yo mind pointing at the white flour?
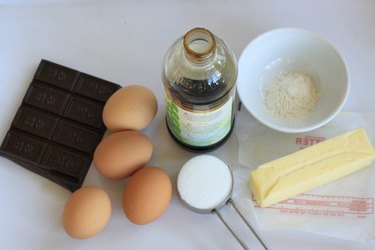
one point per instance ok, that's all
(291, 96)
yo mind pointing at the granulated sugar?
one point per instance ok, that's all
(205, 182)
(291, 96)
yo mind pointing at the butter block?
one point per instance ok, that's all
(311, 167)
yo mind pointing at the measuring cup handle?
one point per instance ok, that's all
(230, 228)
(256, 234)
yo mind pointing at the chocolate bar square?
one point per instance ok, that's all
(59, 124)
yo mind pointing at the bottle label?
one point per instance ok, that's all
(200, 128)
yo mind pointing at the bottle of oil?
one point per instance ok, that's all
(199, 75)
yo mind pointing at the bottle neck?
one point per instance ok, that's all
(199, 45)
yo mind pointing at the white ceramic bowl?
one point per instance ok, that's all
(292, 50)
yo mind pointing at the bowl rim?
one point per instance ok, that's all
(314, 125)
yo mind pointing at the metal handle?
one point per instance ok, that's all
(259, 238)
(230, 228)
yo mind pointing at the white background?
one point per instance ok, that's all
(124, 42)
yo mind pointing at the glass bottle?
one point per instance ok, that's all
(199, 76)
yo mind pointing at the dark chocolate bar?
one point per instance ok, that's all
(59, 124)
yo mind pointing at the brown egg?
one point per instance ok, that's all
(147, 195)
(86, 212)
(130, 108)
(120, 154)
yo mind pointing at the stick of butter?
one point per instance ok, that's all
(311, 167)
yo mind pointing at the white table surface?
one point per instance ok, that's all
(124, 42)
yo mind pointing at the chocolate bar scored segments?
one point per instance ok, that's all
(57, 75)
(46, 97)
(26, 150)
(35, 121)
(58, 125)
(77, 136)
(85, 111)
(95, 88)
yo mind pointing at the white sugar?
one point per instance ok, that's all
(205, 182)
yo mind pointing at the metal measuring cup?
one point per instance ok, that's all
(196, 172)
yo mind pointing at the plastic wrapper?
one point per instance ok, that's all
(342, 209)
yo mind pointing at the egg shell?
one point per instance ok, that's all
(120, 154)
(130, 108)
(147, 195)
(86, 212)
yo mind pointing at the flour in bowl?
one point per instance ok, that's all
(291, 96)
